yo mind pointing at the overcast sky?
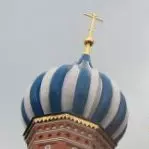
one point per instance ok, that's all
(36, 35)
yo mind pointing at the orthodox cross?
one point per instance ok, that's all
(89, 40)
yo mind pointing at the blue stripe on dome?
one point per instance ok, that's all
(24, 115)
(121, 135)
(56, 88)
(81, 91)
(105, 100)
(85, 57)
(118, 119)
(35, 96)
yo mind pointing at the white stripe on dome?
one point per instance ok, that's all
(27, 104)
(92, 95)
(118, 132)
(68, 89)
(44, 91)
(97, 97)
(114, 106)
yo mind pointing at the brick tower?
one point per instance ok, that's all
(65, 131)
(74, 106)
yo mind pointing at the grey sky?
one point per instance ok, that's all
(36, 35)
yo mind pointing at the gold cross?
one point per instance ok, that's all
(94, 17)
(89, 40)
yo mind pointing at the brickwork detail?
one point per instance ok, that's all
(65, 134)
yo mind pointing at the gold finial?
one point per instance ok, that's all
(89, 40)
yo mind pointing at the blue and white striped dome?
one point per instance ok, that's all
(81, 90)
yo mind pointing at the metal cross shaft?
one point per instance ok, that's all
(89, 40)
(94, 18)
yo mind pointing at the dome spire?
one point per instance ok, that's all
(89, 41)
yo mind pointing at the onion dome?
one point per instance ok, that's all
(79, 89)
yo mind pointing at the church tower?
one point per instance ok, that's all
(74, 106)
